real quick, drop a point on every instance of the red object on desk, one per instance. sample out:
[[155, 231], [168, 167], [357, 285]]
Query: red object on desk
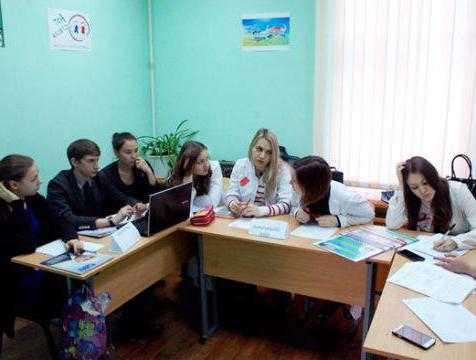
[[203, 217]]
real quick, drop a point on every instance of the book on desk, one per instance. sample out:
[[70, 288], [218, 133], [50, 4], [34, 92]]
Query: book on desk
[[365, 242], [77, 264]]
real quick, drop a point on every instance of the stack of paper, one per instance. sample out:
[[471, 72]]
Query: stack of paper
[[452, 323], [314, 231], [380, 237], [98, 233], [365, 242], [241, 223], [223, 212], [424, 247], [57, 247], [434, 281], [77, 264], [350, 248]]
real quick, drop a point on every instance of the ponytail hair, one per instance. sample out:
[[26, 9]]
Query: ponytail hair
[[118, 139], [13, 167]]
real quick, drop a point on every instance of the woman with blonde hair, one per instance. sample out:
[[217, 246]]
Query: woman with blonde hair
[[260, 183]]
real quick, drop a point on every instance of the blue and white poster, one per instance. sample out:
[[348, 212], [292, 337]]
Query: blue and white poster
[[265, 32], [69, 30]]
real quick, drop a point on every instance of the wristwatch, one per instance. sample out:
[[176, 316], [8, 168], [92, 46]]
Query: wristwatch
[[109, 219]]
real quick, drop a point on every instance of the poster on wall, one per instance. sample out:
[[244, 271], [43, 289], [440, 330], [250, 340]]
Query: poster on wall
[[265, 32], [2, 34], [69, 30]]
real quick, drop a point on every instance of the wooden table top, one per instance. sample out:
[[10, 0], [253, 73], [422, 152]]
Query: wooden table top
[[34, 260], [220, 227], [391, 312]]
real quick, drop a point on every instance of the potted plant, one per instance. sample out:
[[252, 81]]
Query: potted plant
[[162, 150]]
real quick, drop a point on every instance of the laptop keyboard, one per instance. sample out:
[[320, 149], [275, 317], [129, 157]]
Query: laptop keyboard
[[142, 225]]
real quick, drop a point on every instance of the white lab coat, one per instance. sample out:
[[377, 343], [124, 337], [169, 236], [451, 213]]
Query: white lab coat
[[463, 206], [351, 208], [245, 191], [215, 193]]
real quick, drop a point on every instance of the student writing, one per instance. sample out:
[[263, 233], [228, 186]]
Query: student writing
[[427, 202]]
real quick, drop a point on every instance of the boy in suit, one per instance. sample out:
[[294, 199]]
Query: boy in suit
[[83, 197]]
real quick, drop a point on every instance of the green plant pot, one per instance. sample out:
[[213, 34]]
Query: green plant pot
[[159, 165]]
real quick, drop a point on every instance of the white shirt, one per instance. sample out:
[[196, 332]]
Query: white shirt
[[244, 185], [463, 206], [215, 193]]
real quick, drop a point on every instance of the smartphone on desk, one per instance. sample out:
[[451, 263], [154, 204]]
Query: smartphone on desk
[[411, 255], [414, 336]]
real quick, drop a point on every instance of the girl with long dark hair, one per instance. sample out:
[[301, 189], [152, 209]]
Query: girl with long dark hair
[[193, 165], [329, 202], [428, 202], [131, 174]]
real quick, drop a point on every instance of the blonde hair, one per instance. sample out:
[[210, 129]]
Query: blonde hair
[[271, 172]]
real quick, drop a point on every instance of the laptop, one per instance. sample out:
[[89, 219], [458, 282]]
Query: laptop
[[166, 208]]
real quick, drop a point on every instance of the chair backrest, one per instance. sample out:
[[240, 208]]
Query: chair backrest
[[226, 167], [337, 175]]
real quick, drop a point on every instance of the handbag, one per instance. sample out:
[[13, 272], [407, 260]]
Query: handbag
[[469, 181], [337, 175], [203, 217], [84, 325]]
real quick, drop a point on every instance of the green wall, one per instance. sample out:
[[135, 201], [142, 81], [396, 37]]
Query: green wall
[[50, 98], [202, 74]]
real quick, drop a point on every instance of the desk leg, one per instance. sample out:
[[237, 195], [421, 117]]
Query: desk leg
[[207, 328], [369, 305], [69, 285]]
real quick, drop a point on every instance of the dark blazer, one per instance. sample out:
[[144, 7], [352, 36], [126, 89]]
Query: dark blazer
[[139, 189], [67, 202], [16, 238]]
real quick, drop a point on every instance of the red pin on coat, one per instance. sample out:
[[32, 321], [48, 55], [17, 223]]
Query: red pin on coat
[[244, 181]]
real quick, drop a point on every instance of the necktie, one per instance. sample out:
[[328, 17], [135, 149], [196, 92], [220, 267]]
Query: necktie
[[89, 200]]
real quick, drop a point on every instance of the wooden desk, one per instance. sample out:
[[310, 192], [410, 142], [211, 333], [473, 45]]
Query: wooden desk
[[128, 274], [293, 265], [391, 312]]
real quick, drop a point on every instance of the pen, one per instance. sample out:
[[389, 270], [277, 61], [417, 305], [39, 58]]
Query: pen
[[247, 204], [77, 252], [445, 236]]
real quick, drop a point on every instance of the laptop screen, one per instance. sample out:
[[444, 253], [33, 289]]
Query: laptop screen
[[169, 207]]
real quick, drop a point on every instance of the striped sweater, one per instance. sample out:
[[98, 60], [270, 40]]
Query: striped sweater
[[280, 208]]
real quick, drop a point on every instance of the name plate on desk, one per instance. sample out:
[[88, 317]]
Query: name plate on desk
[[124, 238], [269, 228]]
